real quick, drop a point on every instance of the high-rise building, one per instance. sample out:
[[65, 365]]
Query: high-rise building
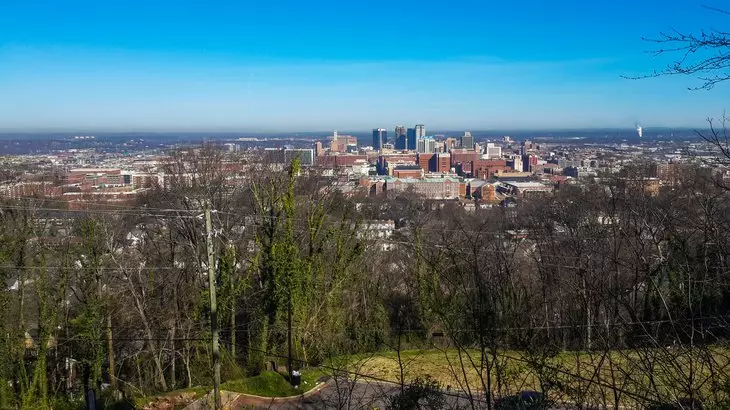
[[517, 164], [529, 163], [526, 147], [450, 143], [443, 163], [400, 130], [467, 141], [400, 139], [340, 143], [401, 142], [420, 131], [380, 137], [493, 151], [411, 139], [425, 145]]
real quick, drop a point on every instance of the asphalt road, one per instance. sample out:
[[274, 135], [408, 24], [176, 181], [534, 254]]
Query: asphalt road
[[344, 394]]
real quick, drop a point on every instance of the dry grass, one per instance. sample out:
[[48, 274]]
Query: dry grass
[[625, 377]]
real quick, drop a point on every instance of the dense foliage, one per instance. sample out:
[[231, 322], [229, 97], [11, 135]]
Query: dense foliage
[[116, 296]]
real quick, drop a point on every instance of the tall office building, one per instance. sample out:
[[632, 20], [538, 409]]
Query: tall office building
[[420, 130], [526, 147], [411, 139], [380, 137], [493, 151], [425, 145], [400, 139], [517, 163], [467, 141], [400, 130]]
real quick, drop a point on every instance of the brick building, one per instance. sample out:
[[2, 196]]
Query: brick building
[[486, 168], [424, 161], [408, 171]]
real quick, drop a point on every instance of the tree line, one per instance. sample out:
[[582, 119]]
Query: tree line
[[604, 292]]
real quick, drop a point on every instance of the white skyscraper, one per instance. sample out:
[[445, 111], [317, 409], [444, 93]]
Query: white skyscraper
[[425, 145], [517, 163], [493, 151], [420, 130]]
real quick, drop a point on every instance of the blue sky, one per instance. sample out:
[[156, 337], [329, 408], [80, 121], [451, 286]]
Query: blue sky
[[273, 65]]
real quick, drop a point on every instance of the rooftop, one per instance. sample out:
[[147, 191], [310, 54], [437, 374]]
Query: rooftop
[[523, 185]]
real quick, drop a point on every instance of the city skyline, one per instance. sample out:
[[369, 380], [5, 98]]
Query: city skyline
[[233, 67]]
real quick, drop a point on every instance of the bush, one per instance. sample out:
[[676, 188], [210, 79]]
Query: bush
[[421, 394], [526, 400]]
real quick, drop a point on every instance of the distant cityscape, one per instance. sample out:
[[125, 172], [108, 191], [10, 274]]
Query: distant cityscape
[[472, 168]]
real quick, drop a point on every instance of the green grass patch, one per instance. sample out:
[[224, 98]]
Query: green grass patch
[[273, 384], [197, 391]]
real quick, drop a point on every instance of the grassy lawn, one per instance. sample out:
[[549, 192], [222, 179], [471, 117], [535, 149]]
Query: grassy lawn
[[267, 384], [579, 376], [272, 384]]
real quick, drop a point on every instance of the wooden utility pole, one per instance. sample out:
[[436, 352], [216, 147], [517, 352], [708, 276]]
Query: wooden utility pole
[[213, 310], [289, 360], [110, 352]]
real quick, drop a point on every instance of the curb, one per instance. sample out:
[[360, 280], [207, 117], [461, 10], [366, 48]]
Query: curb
[[307, 393], [235, 396]]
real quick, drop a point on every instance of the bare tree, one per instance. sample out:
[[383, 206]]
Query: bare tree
[[705, 55]]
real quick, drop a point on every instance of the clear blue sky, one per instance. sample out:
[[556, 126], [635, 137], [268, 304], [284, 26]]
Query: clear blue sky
[[303, 65]]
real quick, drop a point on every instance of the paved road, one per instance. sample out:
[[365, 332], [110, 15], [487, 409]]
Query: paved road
[[343, 394], [339, 394]]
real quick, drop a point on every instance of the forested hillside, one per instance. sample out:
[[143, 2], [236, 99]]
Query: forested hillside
[[603, 292]]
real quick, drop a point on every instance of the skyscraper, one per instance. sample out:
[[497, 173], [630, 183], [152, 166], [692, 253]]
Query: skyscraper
[[380, 137], [411, 139], [400, 139], [425, 145], [400, 130], [493, 151], [526, 147], [467, 141], [420, 130]]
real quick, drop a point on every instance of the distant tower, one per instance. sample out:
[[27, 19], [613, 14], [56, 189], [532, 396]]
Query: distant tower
[[400, 139], [334, 135], [411, 139], [639, 130], [425, 145], [467, 141], [420, 130], [380, 137]]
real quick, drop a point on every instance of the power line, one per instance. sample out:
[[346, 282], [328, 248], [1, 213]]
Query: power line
[[150, 211]]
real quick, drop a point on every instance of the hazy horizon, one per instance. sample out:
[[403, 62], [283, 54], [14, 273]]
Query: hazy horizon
[[489, 133]]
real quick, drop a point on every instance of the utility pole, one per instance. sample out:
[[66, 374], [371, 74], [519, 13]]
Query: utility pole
[[110, 350], [289, 360], [213, 310]]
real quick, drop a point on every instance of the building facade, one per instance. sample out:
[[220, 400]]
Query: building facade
[[425, 145], [380, 137], [420, 131], [467, 141]]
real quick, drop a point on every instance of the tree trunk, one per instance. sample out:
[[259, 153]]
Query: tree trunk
[[233, 330], [173, 378], [159, 372]]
